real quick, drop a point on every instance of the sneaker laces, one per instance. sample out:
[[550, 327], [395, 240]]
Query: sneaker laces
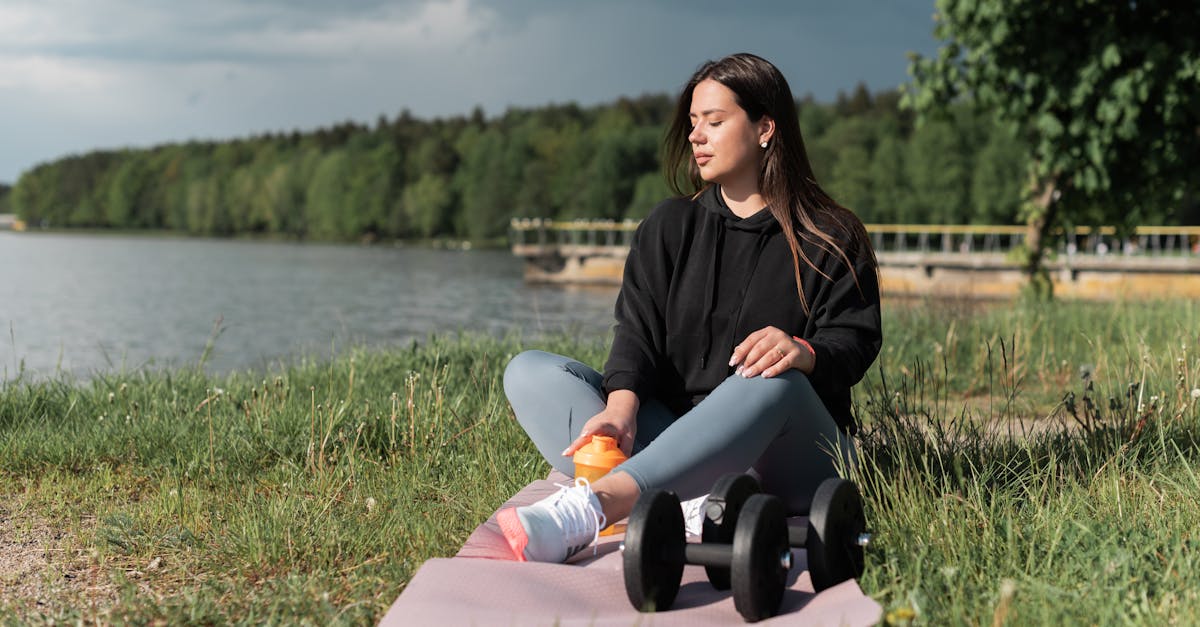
[[693, 515], [576, 513]]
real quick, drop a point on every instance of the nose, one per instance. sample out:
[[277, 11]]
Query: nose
[[696, 136]]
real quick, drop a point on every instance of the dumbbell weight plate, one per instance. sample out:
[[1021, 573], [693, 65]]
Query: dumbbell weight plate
[[761, 557], [653, 553], [835, 522], [721, 511]]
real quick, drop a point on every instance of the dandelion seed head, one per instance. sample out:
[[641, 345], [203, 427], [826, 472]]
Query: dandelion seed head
[[370, 504], [1196, 394]]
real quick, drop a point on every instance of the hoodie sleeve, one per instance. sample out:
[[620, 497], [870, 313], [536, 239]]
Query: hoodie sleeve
[[639, 335], [845, 329]]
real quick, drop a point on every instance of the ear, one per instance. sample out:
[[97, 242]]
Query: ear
[[766, 129]]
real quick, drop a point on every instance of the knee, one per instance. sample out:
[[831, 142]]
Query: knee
[[523, 370], [789, 388]]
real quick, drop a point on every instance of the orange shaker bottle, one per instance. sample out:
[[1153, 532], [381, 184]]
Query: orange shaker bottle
[[594, 459]]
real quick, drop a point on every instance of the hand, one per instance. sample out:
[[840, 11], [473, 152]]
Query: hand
[[618, 420], [770, 351]]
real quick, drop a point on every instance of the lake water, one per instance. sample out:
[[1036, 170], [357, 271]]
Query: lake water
[[91, 303]]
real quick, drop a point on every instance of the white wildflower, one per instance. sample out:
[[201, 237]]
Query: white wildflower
[[1196, 394], [111, 396], [370, 504]]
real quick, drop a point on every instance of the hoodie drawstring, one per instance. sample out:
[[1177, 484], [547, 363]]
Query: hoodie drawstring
[[710, 297]]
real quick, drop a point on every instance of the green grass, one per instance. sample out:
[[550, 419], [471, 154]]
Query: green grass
[[313, 493]]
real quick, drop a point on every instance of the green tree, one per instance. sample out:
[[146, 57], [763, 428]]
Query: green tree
[[996, 182], [650, 189], [892, 192], [939, 172], [1105, 94], [852, 184], [326, 210], [427, 204], [488, 178]]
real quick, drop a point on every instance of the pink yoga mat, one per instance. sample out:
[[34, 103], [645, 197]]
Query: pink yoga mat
[[484, 585]]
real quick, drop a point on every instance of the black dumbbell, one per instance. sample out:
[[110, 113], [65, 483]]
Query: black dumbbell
[[833, 540], [656, 549]]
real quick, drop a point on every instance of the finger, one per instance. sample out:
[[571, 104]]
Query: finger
[[584, 437], [765, 356], [753, 359], [784, 362], [625, 443], [739, 351], [576, 445]]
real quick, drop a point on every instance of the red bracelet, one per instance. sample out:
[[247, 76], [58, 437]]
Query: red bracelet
[[803, 342]]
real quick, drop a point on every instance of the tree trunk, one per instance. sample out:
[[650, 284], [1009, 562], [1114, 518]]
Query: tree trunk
[[1038, 225]]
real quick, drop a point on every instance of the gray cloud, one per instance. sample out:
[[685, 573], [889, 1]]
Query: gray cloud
[[77, 75]]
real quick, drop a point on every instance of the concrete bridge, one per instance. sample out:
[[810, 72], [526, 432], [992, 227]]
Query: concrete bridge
[[965, 261], [9, 222]]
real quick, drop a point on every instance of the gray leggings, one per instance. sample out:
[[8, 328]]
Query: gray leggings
[[778, 428]]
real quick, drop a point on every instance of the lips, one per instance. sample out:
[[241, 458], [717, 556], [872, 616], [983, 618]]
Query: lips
[[702, 158]]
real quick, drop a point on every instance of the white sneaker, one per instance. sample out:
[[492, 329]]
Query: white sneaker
[[693, 515], [556, 527]]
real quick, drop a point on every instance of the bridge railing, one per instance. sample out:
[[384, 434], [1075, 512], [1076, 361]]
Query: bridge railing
[[547, 232], [903, 238]]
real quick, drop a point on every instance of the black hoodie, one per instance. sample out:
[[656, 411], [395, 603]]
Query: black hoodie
[[699, 279]]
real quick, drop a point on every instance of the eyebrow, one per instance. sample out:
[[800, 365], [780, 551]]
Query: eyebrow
[[708, 111]]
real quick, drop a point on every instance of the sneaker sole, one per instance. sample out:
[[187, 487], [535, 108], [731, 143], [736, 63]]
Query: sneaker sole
[[514, 532]]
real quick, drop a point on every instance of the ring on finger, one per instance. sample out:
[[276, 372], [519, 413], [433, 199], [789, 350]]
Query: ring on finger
[[781, 352]]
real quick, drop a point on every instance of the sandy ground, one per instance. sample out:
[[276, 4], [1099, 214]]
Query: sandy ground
[[43, 570]]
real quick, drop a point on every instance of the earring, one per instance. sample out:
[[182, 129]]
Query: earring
[[764, 144]]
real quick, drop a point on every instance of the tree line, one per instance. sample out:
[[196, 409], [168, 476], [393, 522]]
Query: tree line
[[467, 176]]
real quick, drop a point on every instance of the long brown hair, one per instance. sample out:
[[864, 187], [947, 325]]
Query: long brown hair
[[786, 180]]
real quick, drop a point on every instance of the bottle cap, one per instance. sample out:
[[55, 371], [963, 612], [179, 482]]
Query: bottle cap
[[601, 452]]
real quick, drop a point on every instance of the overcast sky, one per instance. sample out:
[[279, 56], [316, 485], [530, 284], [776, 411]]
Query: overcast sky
[[77, 75]]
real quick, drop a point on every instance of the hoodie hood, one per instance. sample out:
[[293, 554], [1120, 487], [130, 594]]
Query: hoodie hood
[[714, 202]]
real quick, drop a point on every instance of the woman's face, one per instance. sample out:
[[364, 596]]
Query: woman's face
[[725, 143]]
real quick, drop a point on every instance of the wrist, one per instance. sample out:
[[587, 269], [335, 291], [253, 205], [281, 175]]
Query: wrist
[[623, 401], [812, 354]]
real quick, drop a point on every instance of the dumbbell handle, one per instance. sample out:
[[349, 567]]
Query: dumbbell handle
[[720, 555]]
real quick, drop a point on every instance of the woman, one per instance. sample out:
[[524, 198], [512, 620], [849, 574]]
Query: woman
[[747, 310]]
